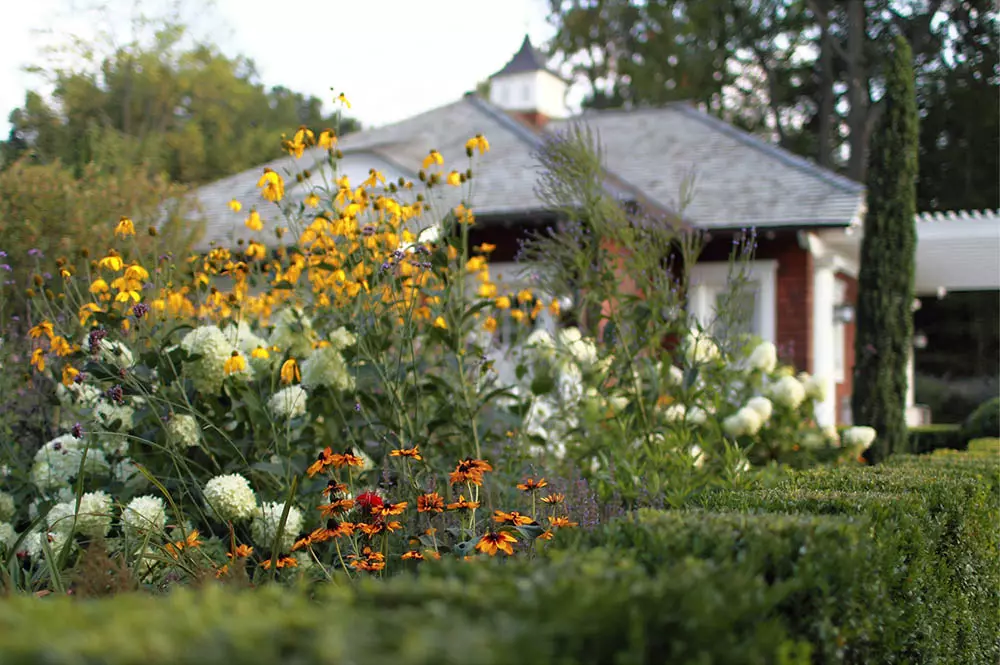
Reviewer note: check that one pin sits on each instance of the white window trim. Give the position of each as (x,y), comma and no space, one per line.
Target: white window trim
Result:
(709,279)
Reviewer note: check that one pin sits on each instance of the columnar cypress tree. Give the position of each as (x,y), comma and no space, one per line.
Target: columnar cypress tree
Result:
(886,283)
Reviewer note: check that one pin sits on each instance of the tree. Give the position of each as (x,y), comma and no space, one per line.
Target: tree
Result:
(884,336)
(188,111)
(807,74)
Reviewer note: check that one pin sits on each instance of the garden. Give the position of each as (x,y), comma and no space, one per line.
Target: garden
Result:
(355,445)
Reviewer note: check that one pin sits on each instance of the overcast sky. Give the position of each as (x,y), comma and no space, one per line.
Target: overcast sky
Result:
(393,58)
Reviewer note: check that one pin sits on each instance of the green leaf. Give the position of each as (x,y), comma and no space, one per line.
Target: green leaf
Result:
(530,531)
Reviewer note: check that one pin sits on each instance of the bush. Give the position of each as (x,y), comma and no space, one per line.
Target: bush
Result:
(928,438)
(594,608)
(984,421)
(896,563)
(987,445)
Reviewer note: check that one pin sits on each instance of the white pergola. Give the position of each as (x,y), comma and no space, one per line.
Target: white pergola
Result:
(958,251)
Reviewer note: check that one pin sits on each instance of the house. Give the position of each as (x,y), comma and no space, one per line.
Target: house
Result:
(807,219)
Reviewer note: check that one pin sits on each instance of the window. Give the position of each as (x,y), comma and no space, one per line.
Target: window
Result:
(743,318)
(525,92)
(839,334)
(754,304)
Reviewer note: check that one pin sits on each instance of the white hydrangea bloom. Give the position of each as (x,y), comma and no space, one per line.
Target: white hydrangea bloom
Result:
(326,367)
(125,471)
(82,395)
(764,358)
(7,536)
(675,376)
(32,544)
(700,348)
(208,372)
(7,507)
(618,403)
(114,417)
(697,456)
(293,333)
(858,436)
(788,391)
(243,337)
(144,514)
(230,497)
(110,352)
(538,416)
(183,430)
(675,412)
(570,383)
(583,350)
(816,387)
(341,338)
(697,415)
(745,422)
(58,462)
(832,434)
(289,402)
(264,527)
(762,406)
(92,520)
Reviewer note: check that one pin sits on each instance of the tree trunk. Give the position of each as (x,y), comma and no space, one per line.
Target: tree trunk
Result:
(826,94)
(857,115)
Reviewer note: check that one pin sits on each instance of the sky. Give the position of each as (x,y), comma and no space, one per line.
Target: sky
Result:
(392,58)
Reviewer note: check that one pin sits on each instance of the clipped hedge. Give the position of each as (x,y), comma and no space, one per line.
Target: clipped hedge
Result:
(593,608)
(895,564)
(928,438)
(984,421)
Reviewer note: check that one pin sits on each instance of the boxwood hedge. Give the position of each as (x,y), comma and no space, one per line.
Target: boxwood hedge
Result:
(894,564)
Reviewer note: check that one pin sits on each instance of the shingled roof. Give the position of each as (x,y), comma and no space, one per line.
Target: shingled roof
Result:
(739,181)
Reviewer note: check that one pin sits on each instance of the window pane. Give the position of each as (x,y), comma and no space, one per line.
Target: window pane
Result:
(736,313)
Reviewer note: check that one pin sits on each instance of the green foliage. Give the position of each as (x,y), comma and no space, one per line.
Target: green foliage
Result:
(984,421)
(883,342)
(49,209)
(928,438)
(987,445)
(185,110)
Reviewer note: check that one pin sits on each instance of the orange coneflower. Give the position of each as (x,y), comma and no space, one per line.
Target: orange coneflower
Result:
(282,562)
(547,535)
(346,458)
(514,518)
(553,499)
(242,551)
(192,540)
(561,522)
(323,460)
(333,487)
(495,541)
(369,561)
(462,504)
(532,485)
(391,509)
(222,571)
(412,554)
(335,508)
(430,503)
(470,471)
(413,453)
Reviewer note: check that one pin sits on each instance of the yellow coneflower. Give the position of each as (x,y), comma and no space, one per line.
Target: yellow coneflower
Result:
(272,186)
(235,363)
(235,205)
(553,499)
(532,485)
(260,353)
(433,158)
(439,322)
(454,179)
(125,227)
(253,221)
(477,142)
(327,139)
(290,372)
(43,329)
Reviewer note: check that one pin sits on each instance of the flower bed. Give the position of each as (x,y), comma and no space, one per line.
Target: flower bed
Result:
(856,565)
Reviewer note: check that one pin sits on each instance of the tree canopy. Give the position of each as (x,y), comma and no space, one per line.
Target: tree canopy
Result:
(810,74)
(184,110)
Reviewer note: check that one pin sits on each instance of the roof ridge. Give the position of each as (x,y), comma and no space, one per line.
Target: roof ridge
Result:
(786,156)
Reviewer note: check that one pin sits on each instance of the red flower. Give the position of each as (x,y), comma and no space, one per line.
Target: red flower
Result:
(370,501)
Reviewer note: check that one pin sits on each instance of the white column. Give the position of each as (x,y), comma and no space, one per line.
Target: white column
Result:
(911,395)
(824,360)
(700,303)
